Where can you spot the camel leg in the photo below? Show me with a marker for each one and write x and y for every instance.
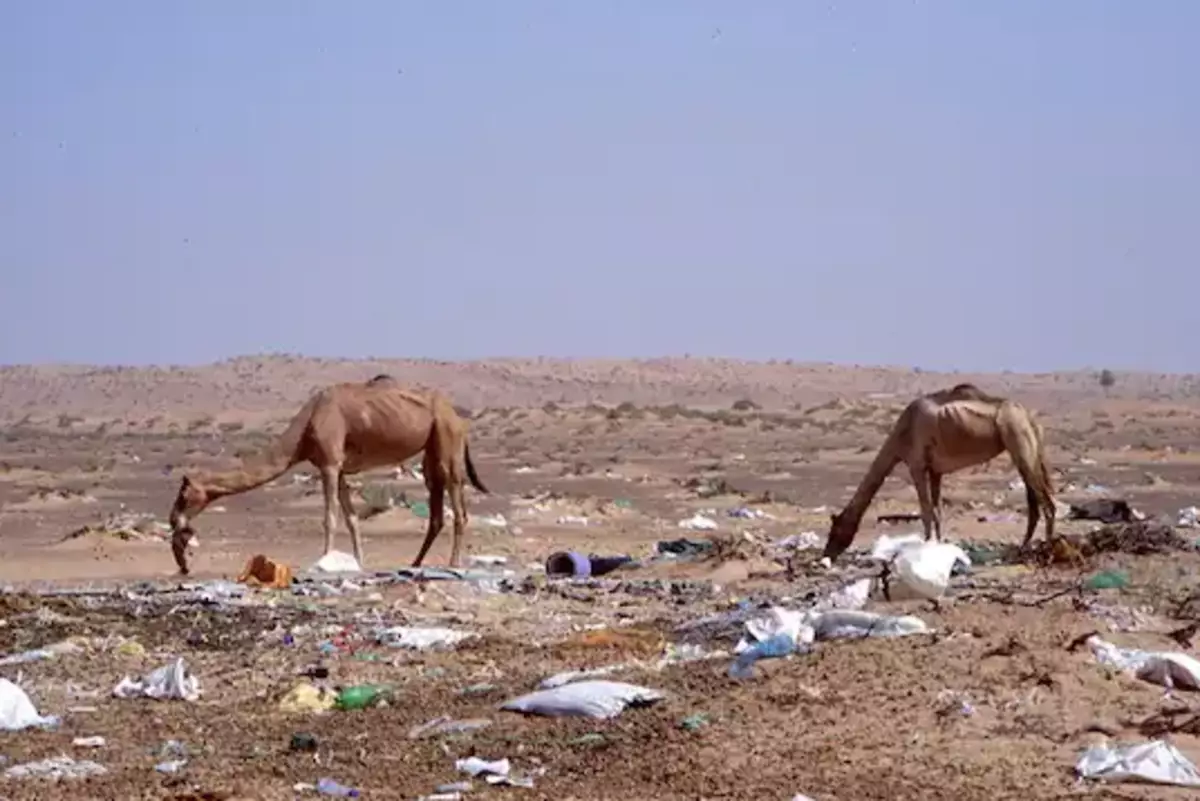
(935, 497)
(920, 478)
(329, 482)
(459, 504)
(347, 504)
(1032, 504)
(435, 482)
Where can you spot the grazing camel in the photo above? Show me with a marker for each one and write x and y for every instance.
(345, 429)
(944, 432)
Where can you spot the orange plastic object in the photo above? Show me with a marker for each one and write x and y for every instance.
(267, 572)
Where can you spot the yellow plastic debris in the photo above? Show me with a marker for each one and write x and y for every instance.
(305, 698)
(131, 648)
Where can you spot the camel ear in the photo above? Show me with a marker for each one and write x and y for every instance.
(833, 518)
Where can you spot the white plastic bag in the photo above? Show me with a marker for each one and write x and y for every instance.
(1155, 762)
(336, 562)
(17, 712)
(1166, 668)
(169, 682)
(698, 522)
(559, 679)
(422, 638)
(796, 626)
(923, 570)
(851, 623)
(594, 699)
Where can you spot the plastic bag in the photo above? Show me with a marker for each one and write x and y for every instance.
(421, 638)
(924, 569)
(17, 712)
(336, 562)
(1156, 762)
(849, 623)
(1166, 668)
(595, 699)
(168, 682)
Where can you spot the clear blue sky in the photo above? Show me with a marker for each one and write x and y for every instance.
(944, 183)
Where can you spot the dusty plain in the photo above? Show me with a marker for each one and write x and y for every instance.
(633, 447)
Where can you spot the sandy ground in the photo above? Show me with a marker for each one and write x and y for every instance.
(633, 448)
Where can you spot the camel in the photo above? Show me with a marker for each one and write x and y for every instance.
(944, 432)
(344, 429)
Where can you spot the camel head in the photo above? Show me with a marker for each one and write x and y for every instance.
(841, 533)
(189, 502)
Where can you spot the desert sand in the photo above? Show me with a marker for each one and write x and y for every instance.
(91, 458)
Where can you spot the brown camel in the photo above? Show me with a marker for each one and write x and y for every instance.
(944, 432)
(342, 430)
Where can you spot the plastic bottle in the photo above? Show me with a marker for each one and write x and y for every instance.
(361, 696)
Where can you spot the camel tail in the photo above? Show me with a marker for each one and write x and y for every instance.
(471, 474)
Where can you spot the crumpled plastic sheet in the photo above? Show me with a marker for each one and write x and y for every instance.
(1154, 762)
(17, 712)
(594, 699)
(169, 682)
(1166, 668)
(55, 768)
(421, 638)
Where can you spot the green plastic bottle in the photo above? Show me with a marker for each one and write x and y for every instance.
(362, 696)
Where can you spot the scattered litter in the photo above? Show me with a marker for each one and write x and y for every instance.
(89, 742)
(1108, 580)
(306, 698)
(17, 712)
(171, 766)
(56, 768)
(698, 522)
(327, 786)
(906, 517)
(363, 696)
(850, 596)
(474, 766)
(168, 682)
(684, 547)
(572, 563)
(572, 520)
(1106, 510)
(593, 698)
(421, 638)
(486, 560)
(923, 569)
(804, 541)
(778, 633)
(1154, 762)
(838, 624)
(694, 722)
(446, 725)
(266, 572)
(336, 562)
(40, 654)
(1189, 517)
(559, 679)
(495, 521)
(953, 702)
(1169, 669)
(303, 742)
(746, 513)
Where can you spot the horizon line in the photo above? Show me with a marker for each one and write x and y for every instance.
(279, 355)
